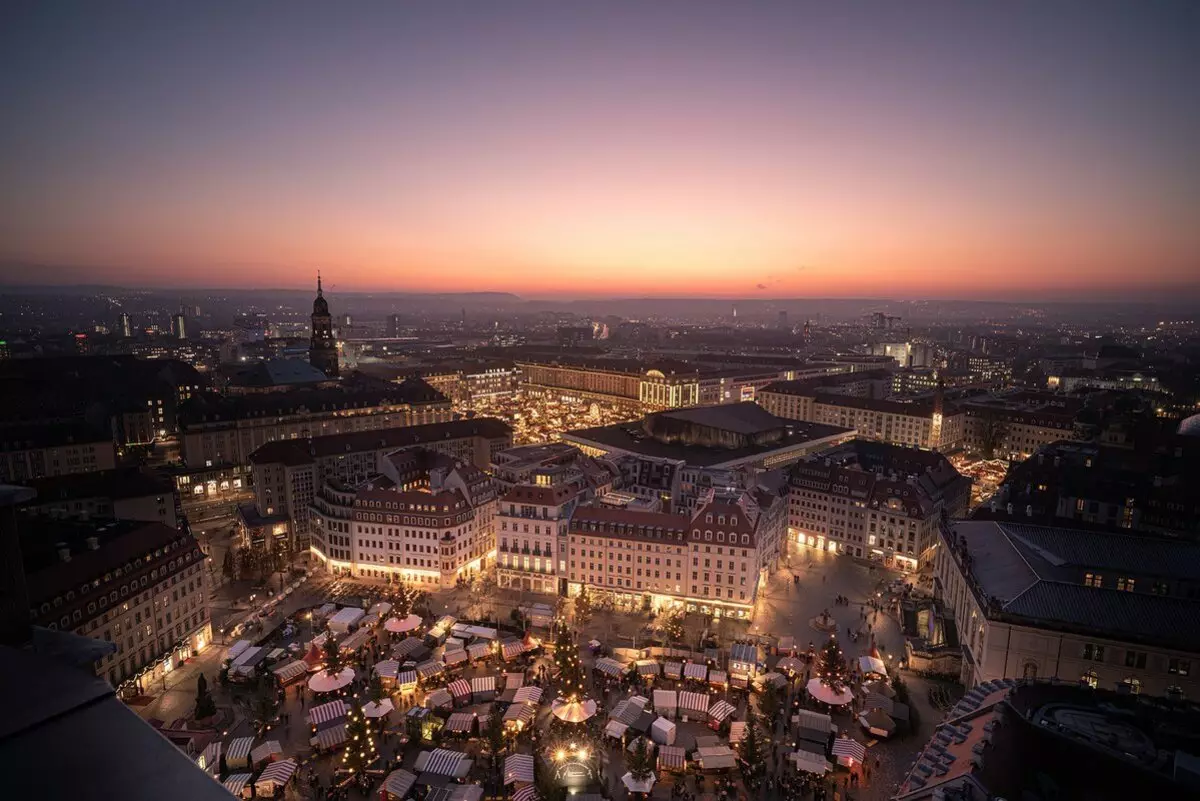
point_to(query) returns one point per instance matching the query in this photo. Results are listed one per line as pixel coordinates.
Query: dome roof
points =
(320, 305)
(1190, 427)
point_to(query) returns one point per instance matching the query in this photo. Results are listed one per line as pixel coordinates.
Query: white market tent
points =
(378, 710)
(638, 786)
(849, 751)
(237, 648)
(237, 755)
(398, 625)
(329, 738)
(438, 699)
(716, 757)
(380, 609)
(810, 762)
(616, 729)
(290, 671)
(823, 692)
(322, 682)
(266, 752)
(443, 762)
(345, 618)
(356, 640)
(518, 768)
(236, 783)
(662, 731)
(326, 713)
(737, 732)
(573, 711)
(872, 664)
(666, 702)
(274, 777)
(720, 710)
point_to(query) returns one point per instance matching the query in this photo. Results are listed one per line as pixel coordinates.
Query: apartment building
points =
(126, 493)
(219, 430)
(1014, 426)
(426, 518)
(141, 586)
(710, 562)
(876, 501)
(1114, 611)
(531, 522)
(287, 473)
(42, 450)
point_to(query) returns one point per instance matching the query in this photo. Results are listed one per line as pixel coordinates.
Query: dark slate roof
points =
(279, 372)
(741, 418)
(123, 482)
(304, 451)
(1157, 618)
(1153, 556)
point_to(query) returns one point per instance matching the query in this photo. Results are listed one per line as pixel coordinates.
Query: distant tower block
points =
(322, 348)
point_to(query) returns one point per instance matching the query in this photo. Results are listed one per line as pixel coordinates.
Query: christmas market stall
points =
(693, 706)
(236, 784)
(849, 752)
(443, 762)
(237, 753)
(271, 781)
(397, 785)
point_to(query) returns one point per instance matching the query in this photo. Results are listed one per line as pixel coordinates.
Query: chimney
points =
(93, 543)
(64, 553)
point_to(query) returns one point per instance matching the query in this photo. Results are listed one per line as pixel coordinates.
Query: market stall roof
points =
(671, 757)
(673, 670)
(808, 719)
(378, 710)
(527, 793)
(666, 699)
(518, 768)
(455, 657)
(514, 681)
(346, 617)
(290, 671)
(648, 667)
(406, 678)
(625, 712)
(460, 688)
(737, 732)
(720, 710)
(483, 685)
(427, 670)
(408, 647)
(442, 625)
(609, 666)
(438, 698)
(275, 776)
(266, 751)
(823, 692)
(399, 782)
(239, 749)
(879, 687)
(381, 608)
(356, 640)
(528, 695)
(810, 762)
(573, 711)
(460, 722)
(387, 669)
(877, 722)
(790, 664)
(324, 713)
(479, 650)
(519, 712)
(872, 664)
(616, 729)
(331, 737)
(850, 749)
(771, 679)
(443, 762)
(511, 649)
(210, 759)
(638, 785)
(717, 757)
(236, 783)
(693, 702)
(399, 625)
(718, 677)
(695, 670)
(322, 682)
(455, 792)
(467, 630)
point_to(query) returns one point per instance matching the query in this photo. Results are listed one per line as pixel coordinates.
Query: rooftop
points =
(305, 451)
(278, 373)
(123, 482)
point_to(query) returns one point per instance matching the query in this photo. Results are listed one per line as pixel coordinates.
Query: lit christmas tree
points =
(831, 666)
(333, 655)
(566, 656)
(360, 741)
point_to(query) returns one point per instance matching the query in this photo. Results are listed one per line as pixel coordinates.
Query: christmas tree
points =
(672, 626)
(831, 666)
(333, 655)
(640, 765)
(360, 741)
(375, 690)
(566, 656)
(750, 751)
(583, 606)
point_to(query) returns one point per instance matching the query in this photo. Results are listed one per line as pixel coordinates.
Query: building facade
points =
(127, 493)
(427, 519)
(1107, 610)
(47, 450)
(140, 586)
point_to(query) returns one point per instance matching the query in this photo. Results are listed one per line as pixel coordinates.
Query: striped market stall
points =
(519, 716)
(719, 710)
(326, 714)
(397, 785)
(693, 705)
(460, 689)
(518, 768)
(237, 754)
(848, 751)
(439, 699)
(610, 667)
(479, 650)
(275, 777)
(429, 670)
(672, 758)
(673, 670)
(236, 784)
(266, 752)
(290, 672)
(695, 670)
(528, 695)
(483, 688)
(329, 738)
(527, 793)
(460, 723)
(443, 762)
(455, 657)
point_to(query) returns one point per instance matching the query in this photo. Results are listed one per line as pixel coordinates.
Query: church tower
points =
(322, 348)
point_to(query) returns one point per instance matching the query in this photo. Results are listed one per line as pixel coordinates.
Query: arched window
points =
(1030, 670)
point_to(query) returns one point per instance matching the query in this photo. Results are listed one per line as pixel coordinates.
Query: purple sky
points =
(951, 149)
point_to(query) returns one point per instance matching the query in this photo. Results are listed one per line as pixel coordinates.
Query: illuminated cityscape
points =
(646, 401)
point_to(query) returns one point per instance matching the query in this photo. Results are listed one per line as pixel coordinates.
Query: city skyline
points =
(935, 151)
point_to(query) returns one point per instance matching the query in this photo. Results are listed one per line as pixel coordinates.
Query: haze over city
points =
(949, 150)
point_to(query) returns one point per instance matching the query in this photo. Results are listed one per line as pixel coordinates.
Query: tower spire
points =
(318, 282)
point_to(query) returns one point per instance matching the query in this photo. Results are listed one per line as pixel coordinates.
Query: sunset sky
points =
(944, 149)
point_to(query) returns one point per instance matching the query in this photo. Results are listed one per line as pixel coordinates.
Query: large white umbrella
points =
(323, 682)
(573, 711)
(398, 625)
(823, 692)
(635, 786)
(378, 710)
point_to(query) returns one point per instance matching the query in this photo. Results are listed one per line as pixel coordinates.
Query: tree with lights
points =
(831, 666)
(672, 626)
(641, 766)
(769, 703)
(566, 657)
(375, 689)
(360, 741)
(583, 606)
(494, 734)
(405, 595)
(752, 756)
(333, 655)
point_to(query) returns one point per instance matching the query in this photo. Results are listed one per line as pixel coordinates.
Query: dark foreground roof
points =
(304, 451)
